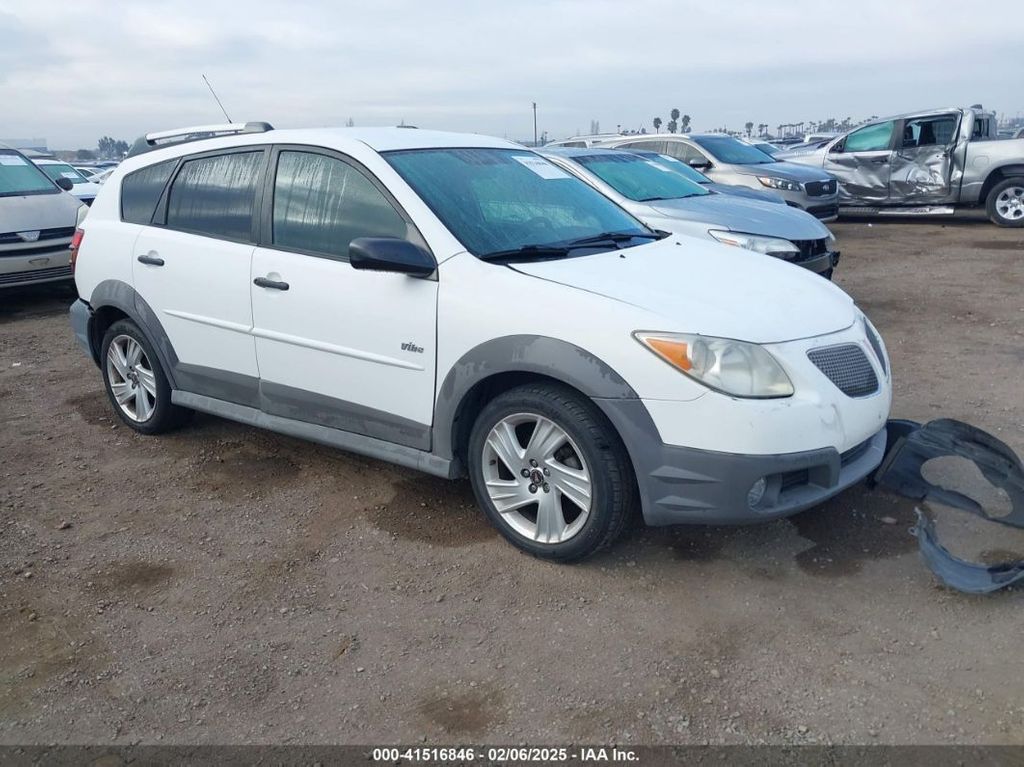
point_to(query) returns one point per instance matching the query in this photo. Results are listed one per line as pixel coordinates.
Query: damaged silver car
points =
(925, 163)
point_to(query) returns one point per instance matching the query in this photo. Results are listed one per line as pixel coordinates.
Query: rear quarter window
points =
(141, 190)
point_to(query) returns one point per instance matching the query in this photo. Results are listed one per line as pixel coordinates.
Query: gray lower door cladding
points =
(219, 384)
(310, 407)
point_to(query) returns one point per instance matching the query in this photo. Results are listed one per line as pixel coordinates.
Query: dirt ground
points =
(225, 585)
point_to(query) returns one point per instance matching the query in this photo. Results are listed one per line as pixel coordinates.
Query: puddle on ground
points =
(432, 510)
(858, 526)
(94, 408)
(465, 712)
(132, 577)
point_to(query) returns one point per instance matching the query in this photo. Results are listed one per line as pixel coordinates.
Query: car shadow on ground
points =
(35, 301)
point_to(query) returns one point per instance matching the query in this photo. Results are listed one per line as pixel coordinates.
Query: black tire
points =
(613, 486)
(1015, 216)
(165, 415)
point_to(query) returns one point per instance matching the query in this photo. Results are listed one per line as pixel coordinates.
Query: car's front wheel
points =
(1005, 203)
(550, 472)
(135, 381)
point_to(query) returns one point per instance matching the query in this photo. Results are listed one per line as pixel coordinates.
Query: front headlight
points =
(772, 246)
(780, 183)
(731, 367)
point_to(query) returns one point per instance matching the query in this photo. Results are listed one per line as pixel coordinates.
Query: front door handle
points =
(880, 160)
(151, 260)
(263, 282)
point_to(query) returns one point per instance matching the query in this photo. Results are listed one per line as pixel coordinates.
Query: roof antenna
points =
(222, 109)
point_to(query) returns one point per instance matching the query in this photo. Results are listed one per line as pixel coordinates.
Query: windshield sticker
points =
(11, 159)
(69, 174)
(540, 166)
(659, 166)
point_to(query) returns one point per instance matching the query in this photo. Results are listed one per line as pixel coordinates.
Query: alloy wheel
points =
(1010, 203)
(537, 478)
(131, 378)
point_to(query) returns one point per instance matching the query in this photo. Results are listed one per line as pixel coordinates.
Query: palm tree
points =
(657, 124)
(750, 128)
(673, 124)
(684, 127)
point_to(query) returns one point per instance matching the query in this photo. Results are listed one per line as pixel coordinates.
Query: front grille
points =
(847, 367)
(62, 233)
(54, 273)
(810, 249)
(821, 188)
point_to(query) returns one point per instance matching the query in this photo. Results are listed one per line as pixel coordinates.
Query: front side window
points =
(59, 170)
(216, 196)
(929, 131)
(18, 176)
(500, 200)
(871, 138)
(637, 178)
(728, 150)
(321, 204)
(141, 190)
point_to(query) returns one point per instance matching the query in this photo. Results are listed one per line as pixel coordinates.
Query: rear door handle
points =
(263, 282)
(151, 260)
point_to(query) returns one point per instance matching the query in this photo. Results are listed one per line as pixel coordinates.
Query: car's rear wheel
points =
(135, 381)
(1005, 203)
(550, 472)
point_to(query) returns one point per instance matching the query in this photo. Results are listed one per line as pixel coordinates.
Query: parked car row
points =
(470, 308)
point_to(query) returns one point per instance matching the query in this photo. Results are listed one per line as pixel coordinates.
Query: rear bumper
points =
(80, 316)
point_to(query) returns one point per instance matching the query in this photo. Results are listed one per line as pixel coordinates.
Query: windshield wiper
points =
(528, 252)
(614, 237)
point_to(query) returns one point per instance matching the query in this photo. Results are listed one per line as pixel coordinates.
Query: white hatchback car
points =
(460, 305)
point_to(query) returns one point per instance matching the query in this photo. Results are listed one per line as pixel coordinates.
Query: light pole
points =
(535, 123)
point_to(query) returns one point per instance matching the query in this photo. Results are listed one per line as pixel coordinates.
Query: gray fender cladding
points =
(913, 445)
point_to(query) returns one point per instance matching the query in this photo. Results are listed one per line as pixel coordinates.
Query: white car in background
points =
(460, 305)
(81, 187)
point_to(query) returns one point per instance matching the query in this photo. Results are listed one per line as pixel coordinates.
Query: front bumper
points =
(40, 266)
(822, 264)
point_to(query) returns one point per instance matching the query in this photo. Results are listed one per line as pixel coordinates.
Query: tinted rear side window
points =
(141, 190)
(216, 196)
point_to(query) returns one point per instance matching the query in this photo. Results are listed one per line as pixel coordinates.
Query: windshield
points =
(499, 201)
(60, 170)
(732, 152)
(18, 177)
(639, 179)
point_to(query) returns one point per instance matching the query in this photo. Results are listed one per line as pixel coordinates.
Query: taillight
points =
(76, 243)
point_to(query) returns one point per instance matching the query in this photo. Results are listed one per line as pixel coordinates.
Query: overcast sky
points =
(74, 70)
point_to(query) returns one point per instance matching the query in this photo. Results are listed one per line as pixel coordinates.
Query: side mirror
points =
(65, 183)
(699, 163)
(836, 148)
(390, 254)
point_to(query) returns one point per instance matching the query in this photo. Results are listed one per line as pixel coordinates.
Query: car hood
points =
(88, 189)
(703, 287)
(744, 215)
(746, 191)
(787, 170)
(38, 211)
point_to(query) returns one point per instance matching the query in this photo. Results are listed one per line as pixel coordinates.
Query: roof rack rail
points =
(162, 139)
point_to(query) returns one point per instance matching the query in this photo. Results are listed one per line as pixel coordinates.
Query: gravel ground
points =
(224, 585)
